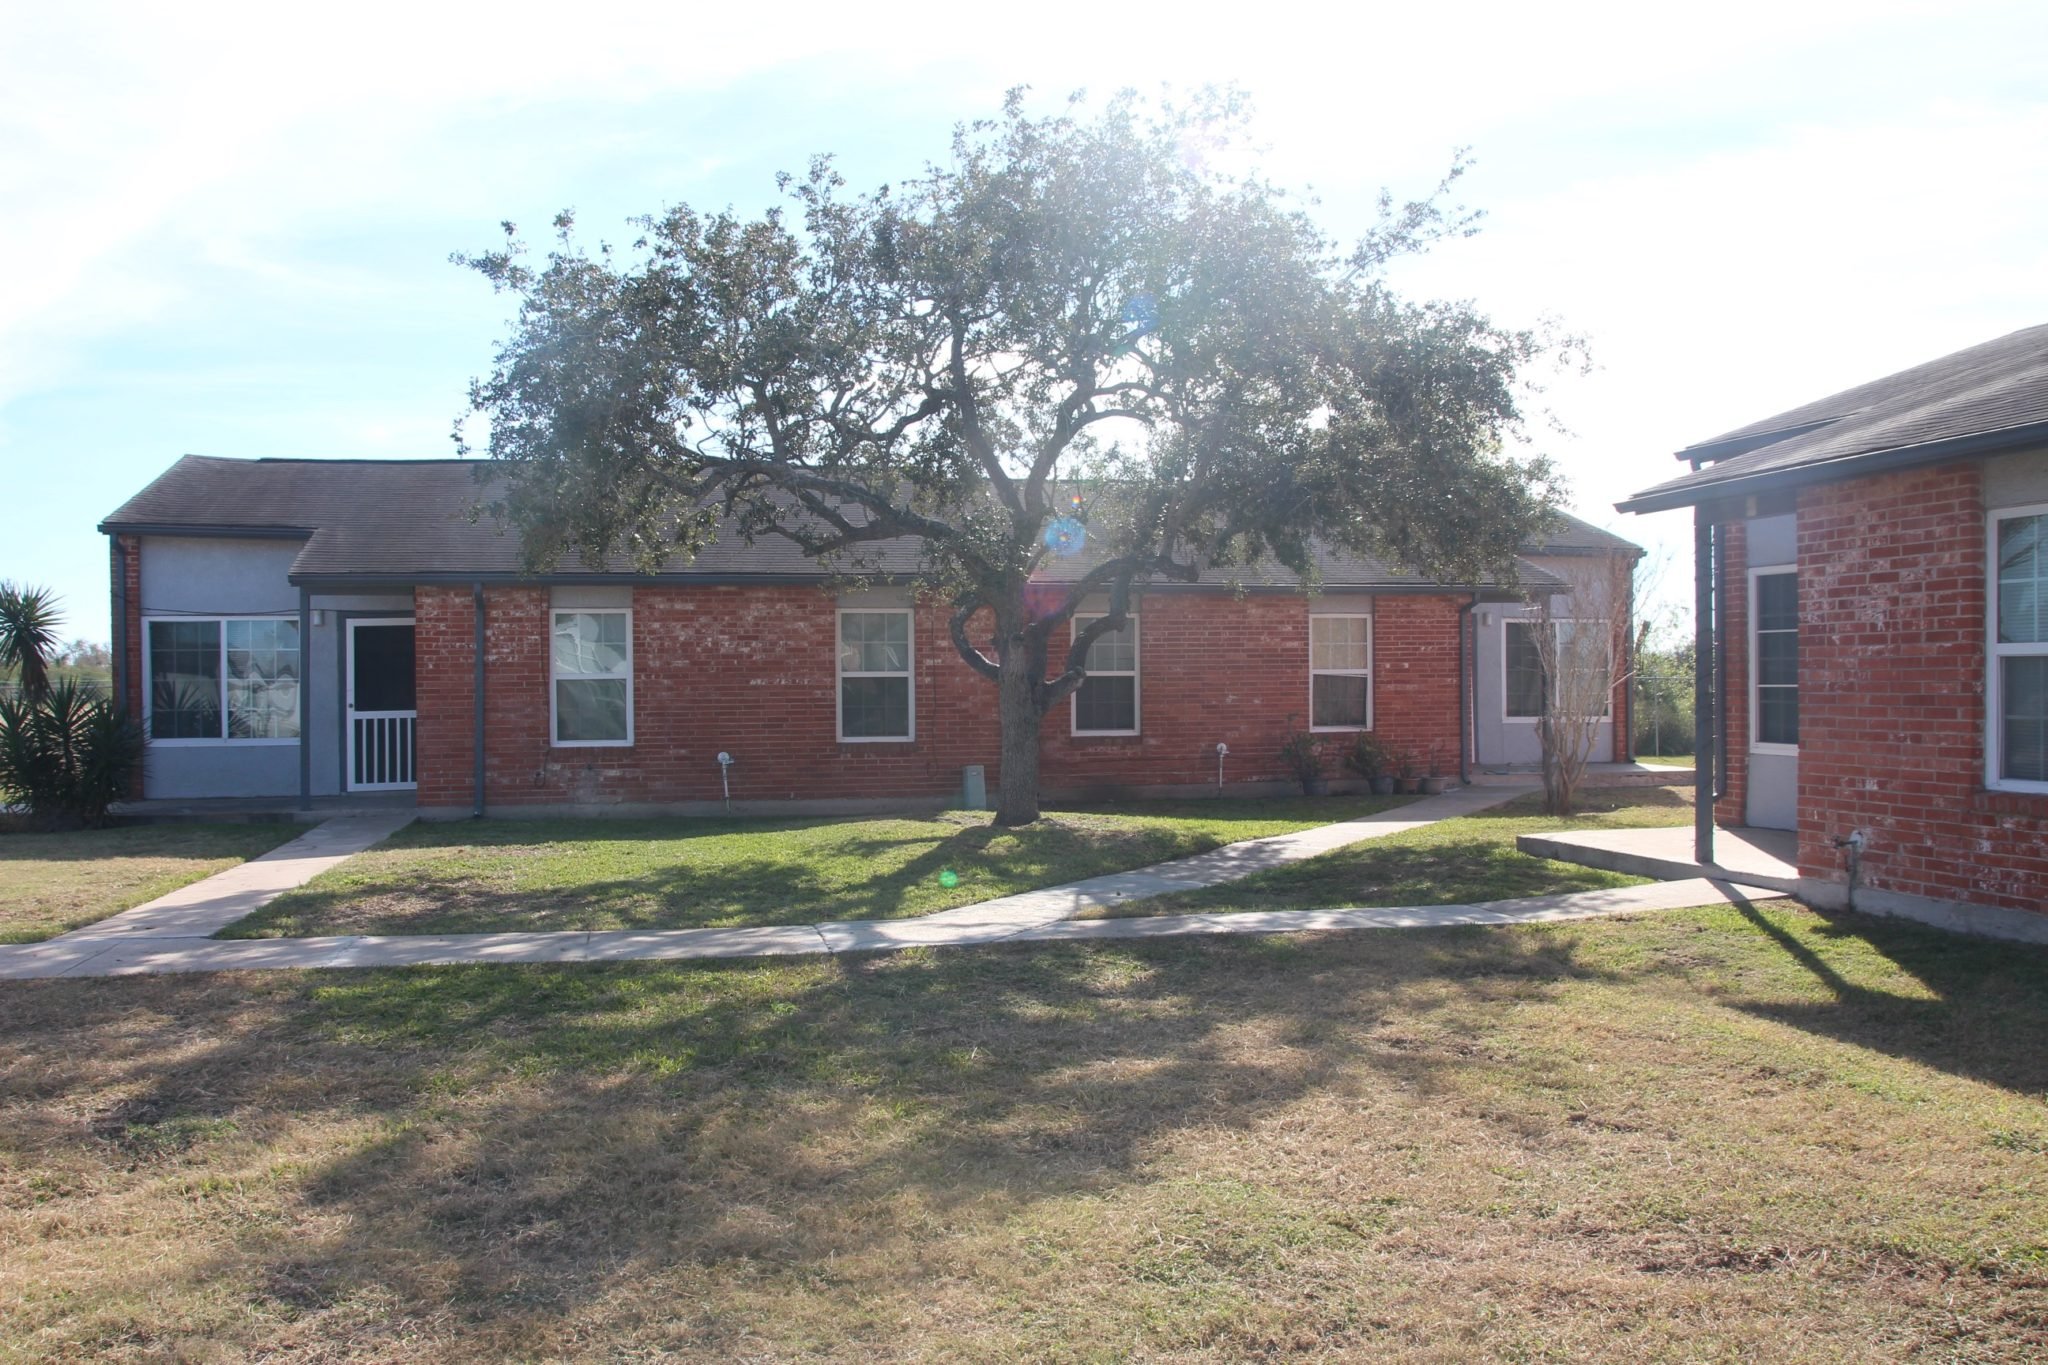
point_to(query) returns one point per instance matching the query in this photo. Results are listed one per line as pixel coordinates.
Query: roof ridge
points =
(408, 460)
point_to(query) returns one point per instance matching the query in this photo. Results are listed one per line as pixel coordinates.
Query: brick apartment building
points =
(311, 627)
(1874, 568)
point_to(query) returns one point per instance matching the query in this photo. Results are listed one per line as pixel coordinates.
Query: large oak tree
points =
(1079, 327)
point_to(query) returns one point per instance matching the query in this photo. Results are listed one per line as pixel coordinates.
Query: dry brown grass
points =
(1738, 1133)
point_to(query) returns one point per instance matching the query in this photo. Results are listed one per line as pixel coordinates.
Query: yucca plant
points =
(28, 636)
(67, 751)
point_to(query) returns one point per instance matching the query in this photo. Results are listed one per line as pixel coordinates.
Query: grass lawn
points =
(1458, 861)
(52, 883)
(475, 876)
(1727, 1134)
(1665, 760)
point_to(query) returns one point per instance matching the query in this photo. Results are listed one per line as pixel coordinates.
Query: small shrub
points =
(1303, 754)
(1370, 757)
(68, 755)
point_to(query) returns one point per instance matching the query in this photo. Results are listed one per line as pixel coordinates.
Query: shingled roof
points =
(1978, 401)
(409, 521)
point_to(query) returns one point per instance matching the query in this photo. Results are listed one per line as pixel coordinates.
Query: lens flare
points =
(949, 879)
(1065, 536)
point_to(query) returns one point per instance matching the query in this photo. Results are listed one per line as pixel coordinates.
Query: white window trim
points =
(224, 740)
(1134, 673)
(555, 675)
(1757, 746)
(1607, 712)
(1366, 672)
(840, 675)
(1994, 679)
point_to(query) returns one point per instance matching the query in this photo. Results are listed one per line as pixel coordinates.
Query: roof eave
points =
(152, 528)
(340, 582)
(1841, 467)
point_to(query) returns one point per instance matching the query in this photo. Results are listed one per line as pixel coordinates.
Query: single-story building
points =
(1873, 582)
(318, 627)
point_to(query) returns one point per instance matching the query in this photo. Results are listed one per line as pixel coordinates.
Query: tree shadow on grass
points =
(1444, 872)
(1984, 1015)
(867, 877)
(523, 1142)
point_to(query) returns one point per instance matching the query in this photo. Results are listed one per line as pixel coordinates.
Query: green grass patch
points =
(587, 874)
(1463, 860)
(53, 883)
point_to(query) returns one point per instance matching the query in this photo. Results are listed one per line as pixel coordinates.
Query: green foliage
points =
(1370, 756)
(29, 642)
(1303, 754)
(68, 756)
(1664, 701)
(1070, 319)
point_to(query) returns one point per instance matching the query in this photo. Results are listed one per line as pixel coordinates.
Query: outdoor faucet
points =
(1222, 752)
(725, 777)
(1851, 845)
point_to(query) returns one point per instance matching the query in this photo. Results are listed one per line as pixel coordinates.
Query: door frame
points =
(348, 623)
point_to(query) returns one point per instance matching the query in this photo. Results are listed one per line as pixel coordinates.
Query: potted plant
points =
(1410, 781)
(1303, 753)
(1433, 782)
(1372, 760)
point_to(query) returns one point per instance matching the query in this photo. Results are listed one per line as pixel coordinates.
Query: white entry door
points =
(383, 715)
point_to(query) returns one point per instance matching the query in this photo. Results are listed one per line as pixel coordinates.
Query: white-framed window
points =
(1582, 646)
(590, 682)
(877, 694)
(2016, 692)
(221, 679)
(1340, 672)
(1774, 661)
(1106, 703)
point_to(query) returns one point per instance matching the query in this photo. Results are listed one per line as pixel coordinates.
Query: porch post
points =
(1703, 692)
(305, 686)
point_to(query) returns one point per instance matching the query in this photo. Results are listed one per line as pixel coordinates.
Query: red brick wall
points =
(129, 587)
(1415, 687)
(1733, 696)
(751, 670)
(1891, 642)
(131, 590)
(444, 626)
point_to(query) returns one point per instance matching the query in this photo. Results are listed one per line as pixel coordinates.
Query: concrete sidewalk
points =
(173, 934)
(208, 906)
(133, 957)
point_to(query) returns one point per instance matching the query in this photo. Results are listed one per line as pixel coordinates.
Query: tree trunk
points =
(1017, 711)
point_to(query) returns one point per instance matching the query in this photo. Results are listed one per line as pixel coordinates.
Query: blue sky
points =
(227, 227)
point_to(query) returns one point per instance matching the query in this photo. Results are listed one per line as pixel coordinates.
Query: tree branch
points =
(964, 608)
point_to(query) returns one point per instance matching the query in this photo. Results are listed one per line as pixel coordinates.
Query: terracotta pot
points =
(1432, 786)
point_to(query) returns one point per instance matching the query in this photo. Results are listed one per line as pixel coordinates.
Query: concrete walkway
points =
(1755, 857)
(173, 934)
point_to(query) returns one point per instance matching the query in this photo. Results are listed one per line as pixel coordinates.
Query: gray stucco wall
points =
(1498, 741)
(186, 576)
(2018, 480)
